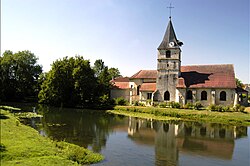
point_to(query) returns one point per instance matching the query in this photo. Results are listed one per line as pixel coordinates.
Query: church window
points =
(168, 54)
(174, 65)
(149, 96)
(138, 89)
(189, 95)
(167, 96)
(203, 95)
(223, 96)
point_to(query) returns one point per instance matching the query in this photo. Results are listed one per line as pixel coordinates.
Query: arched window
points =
(203, 95)
(167, 95)
(138, 89)
(223, 96)
(168, 54)
(189, 95)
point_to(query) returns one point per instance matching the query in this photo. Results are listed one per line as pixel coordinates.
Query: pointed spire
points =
(169, 39)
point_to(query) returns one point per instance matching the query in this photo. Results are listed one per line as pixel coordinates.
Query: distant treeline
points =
(71, 82)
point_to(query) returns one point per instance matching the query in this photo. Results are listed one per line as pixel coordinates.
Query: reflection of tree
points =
(85, 128)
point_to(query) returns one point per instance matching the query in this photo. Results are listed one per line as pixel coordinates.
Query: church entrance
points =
(167, 96)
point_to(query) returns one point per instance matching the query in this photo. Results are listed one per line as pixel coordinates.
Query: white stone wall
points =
(230, 96)
(115, 93)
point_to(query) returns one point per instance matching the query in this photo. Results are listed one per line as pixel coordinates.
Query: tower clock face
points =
(171, 44)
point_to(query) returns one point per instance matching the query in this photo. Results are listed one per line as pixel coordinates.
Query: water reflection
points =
(213, 140)
(92, 129)
(85, 129)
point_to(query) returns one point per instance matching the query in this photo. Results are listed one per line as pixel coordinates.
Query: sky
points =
(125, 34)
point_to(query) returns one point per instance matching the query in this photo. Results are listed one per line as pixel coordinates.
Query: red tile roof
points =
(145, 74)
(120, 83)
(196, 76)
(207, 76)
(121, 79)
(148, 87)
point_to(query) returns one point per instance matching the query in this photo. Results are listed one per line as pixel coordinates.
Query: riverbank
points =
(230, 118)
(22, 145)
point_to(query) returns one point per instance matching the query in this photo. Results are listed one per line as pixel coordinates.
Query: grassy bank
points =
(232, 118)
(22, 145)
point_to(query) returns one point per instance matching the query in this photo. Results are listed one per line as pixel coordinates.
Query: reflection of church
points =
(186, 137)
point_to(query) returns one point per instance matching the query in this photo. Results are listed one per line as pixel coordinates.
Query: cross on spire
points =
(170, 8)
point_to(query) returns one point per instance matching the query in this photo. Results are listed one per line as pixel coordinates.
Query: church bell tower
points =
(168, 65)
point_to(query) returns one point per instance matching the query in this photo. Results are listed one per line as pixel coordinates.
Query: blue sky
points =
(126, 33)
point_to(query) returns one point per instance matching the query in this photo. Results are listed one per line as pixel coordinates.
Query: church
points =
(172, 82)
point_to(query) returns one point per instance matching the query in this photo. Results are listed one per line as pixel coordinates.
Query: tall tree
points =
(98, 67)
(19, 75)
(70, 82)
(104, 75)
(114, 72)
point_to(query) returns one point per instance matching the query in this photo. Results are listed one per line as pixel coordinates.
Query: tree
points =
(98, 67)
(70, 82)
(104, 75)
(114, 72)
(239, 83)
(19, 74)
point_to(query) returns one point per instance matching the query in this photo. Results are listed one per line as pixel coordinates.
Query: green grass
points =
(232, 118)
(22, 145)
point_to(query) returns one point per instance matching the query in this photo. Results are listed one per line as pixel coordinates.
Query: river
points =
(146, 142)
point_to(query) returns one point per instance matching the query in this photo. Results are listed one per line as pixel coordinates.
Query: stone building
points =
(208, 84)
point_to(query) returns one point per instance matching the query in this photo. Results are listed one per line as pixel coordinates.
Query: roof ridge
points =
(209, 65)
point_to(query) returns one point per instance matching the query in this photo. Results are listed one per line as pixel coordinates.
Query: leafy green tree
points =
(114, 72)
(104, 75)
(239, 83)
(19, 74)
(70, 82)
(98, 67)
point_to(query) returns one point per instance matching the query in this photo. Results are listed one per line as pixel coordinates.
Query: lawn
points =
(22, 145)
(231, 118)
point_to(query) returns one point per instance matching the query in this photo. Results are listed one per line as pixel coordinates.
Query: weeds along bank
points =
(231, 118)
(22, 145)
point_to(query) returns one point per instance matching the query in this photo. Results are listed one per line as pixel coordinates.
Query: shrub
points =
(212, 107)
(155, 104)
(219, 108)
(198, 106)
(105, 102)
(237, 107)
(121, 101)
(163, 105)
(242, 109)
(226, 108)
(141, 104)
(175, 105)
(188, 106)
(149, 102)
(136, 103)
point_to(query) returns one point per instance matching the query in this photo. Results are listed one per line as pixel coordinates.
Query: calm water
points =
(133, 141)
